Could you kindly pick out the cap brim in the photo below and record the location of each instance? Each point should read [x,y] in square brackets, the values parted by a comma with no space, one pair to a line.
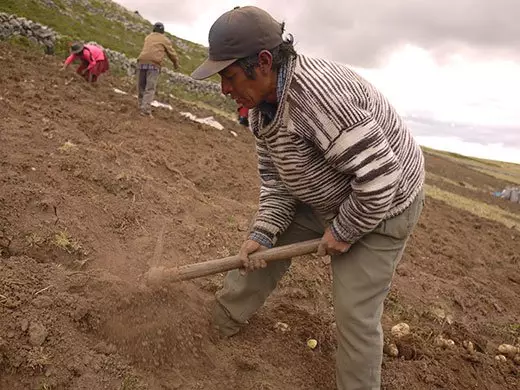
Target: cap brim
[209,67]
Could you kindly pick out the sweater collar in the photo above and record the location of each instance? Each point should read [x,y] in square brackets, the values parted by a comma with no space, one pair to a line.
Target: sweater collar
[273,112]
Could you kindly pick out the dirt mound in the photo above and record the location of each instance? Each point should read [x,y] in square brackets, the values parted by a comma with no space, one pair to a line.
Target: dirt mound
[92,195]
[46,322]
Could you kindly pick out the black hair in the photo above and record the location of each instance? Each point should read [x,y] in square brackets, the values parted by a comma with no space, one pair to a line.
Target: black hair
[281,55]
[158,27]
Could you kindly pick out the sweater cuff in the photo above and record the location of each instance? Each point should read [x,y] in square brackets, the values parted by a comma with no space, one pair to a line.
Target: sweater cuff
[262,239]
[344,233]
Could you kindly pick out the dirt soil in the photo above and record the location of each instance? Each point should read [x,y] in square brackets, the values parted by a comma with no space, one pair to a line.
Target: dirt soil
[92,195]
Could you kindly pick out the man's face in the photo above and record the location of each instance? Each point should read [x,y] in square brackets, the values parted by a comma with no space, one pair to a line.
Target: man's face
[245,91]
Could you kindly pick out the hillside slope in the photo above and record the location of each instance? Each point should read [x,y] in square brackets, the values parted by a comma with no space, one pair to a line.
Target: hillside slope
[102,21]
[92,195]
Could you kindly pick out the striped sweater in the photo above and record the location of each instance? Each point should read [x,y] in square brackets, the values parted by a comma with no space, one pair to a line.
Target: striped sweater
[336,144]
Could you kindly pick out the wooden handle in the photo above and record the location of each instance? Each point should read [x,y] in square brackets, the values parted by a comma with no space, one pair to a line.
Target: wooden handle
[211,267]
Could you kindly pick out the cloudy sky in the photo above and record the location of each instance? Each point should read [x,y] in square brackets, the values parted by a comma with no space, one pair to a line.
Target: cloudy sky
[451,66]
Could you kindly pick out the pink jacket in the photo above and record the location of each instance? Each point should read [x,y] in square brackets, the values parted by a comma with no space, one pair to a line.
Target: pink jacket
[92,54]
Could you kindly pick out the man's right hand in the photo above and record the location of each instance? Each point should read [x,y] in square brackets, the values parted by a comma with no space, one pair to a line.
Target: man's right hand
[248,247]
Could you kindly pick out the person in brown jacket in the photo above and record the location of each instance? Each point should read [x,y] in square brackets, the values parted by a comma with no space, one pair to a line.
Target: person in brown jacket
[149,63]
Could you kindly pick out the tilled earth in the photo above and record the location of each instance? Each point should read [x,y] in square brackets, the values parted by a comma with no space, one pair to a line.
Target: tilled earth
[92,195]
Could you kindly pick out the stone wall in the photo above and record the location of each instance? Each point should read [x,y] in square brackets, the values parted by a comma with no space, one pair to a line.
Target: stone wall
[11,25]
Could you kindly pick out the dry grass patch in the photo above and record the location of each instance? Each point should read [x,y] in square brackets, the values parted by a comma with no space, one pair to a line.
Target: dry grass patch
[474,207]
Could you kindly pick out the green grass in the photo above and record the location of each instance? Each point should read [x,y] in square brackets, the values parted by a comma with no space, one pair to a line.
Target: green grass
[130,383]
[514,329]
[23,42]
[66,243]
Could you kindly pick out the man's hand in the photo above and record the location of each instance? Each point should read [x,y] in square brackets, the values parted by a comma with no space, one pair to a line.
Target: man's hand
[248,247]
[330,246]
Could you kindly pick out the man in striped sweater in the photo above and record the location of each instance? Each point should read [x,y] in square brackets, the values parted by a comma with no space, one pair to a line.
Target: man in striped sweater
[336,161]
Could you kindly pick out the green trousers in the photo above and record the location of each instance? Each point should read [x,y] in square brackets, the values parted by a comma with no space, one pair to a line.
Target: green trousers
[361,280]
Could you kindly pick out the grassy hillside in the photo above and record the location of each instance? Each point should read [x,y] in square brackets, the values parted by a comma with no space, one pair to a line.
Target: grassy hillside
[102,21]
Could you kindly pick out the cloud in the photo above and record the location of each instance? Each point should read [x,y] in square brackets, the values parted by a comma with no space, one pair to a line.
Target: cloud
[427,127]
[490,151]
[166,11]
[364,32]
[491,142]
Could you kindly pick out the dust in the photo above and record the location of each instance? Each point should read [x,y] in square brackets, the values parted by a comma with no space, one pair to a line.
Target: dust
[157,326]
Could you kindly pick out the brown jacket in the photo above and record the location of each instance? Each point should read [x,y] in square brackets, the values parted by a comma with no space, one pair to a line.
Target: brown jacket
[156,45]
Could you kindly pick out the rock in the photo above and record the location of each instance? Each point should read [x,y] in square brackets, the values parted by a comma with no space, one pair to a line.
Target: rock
[441,315]
[500,358]
[508,350]
[105,348]
[403,270]
[469,346]
[440,341]
[438,313]
[281,326]
[37,334]
[75,367]
[49,3]
[42,301]
[391,350]
[400,330]
[80,312]
[24,325]
[12,303]
[15,23]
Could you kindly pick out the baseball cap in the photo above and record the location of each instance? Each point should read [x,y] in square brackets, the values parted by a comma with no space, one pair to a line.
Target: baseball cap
[236,34]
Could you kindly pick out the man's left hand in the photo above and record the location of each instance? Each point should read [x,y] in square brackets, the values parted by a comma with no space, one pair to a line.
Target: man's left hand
[330,246]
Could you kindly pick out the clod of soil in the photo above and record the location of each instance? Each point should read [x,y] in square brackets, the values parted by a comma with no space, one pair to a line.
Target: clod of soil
[37,334]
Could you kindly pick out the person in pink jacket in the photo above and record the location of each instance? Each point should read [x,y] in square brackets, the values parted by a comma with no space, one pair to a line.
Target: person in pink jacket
[94,61]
